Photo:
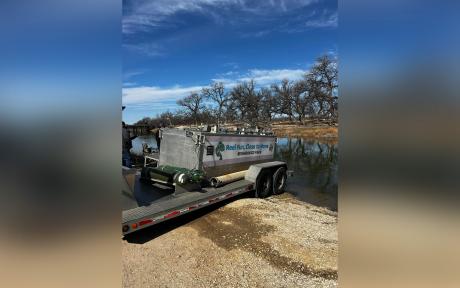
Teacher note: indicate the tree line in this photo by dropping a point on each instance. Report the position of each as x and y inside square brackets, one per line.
[314, 97]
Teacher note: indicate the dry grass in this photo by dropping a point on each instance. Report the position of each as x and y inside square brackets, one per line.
[312, 130]
[324, 133]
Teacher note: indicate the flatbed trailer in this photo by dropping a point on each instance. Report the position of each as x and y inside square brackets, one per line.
[147, 204]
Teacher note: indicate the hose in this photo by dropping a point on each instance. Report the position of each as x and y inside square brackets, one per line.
[228, 178]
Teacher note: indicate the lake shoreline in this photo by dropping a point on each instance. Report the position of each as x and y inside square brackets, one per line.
[322, 133]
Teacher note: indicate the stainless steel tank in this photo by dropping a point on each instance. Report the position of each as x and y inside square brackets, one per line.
[214, 153]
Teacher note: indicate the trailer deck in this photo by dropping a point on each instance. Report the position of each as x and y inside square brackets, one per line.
[155, 203]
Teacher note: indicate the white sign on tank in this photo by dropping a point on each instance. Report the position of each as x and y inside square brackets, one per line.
[224, 150]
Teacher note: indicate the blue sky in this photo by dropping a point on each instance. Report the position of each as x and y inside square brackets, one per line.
[174, 47]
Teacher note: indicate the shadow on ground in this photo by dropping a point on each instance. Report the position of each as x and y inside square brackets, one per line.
[147, 234]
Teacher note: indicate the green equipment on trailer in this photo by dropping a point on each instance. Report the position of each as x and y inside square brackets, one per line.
[167, 174]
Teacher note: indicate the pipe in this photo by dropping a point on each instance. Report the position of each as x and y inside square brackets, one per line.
[227, 178]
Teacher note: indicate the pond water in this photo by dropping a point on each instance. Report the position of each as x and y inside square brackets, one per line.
[138, 141]
[315, 166]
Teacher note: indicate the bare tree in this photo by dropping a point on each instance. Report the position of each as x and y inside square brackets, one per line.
[267, 103]
[166, 118]
[208, 115]
[314, 96]
[283, 94]
[323, 82]
[302, 102]
[217, 94]
[144, 121]
[246, 100]
[193, 104]
[231, 111]
[240, 100]
[253, 101]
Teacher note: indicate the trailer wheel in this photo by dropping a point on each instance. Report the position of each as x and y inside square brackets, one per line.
[279, 180]
[264, 187]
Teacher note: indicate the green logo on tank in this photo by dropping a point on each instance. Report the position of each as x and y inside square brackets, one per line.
[219, 149]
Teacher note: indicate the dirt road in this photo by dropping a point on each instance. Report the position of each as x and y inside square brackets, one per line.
[276, 242]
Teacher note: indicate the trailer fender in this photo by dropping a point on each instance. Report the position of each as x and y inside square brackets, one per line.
[257, 174]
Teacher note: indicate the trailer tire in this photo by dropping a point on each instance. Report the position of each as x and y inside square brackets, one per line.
[264, 187]
[279, 180]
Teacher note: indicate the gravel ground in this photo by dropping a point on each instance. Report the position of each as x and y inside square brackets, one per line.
[276, 242]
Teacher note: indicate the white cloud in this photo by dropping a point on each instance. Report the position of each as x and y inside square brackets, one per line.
[129, 84]
[144, 15]
[265, 77]
[148, 49]
[232, 65]
[147, 14]
[327, 21]
[262, 77]
[129, 74]
[152, 95]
